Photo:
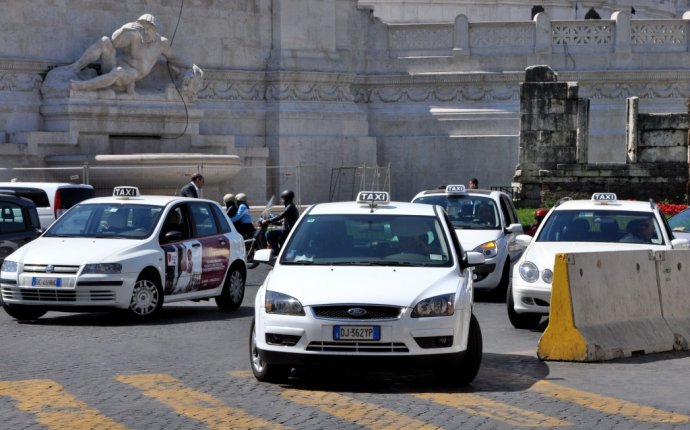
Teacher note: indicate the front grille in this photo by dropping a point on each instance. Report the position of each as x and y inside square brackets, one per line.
[380, 347]
[53, 295]
[41, 268]
[373, 312]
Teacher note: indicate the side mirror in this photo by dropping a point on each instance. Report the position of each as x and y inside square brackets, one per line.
[475, 258]
[264, 256]
[680, 244]
[523, 240]
[515, 228]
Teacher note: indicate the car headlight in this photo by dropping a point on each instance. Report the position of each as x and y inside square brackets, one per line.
[529, 271]
[9, 266]
[103, 268]
[489, 249]
[278, 303]
[547, 276]
[435, 306]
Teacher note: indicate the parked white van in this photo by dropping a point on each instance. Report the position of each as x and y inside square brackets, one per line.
[52, 199]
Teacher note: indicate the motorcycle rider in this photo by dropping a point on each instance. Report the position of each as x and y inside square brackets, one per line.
[230, 202]
[242, 218]
[288, 217]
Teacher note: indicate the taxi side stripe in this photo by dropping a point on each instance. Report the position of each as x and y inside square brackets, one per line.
[194, 404]
[54, 407]
[475, 404]
[350, 409]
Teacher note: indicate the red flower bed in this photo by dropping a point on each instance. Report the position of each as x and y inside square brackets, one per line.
[669, 209]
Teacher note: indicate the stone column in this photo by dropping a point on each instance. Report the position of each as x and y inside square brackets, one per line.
[549, 120]
[632, 134]
[461, 37]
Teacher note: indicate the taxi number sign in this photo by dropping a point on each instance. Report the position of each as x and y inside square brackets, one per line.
[46, 282]
[356, 332]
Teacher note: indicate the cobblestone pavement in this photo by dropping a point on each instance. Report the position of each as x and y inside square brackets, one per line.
[190, 370]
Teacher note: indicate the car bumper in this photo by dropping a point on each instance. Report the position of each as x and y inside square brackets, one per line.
[93, 291]
[405, 341]
[531, 298]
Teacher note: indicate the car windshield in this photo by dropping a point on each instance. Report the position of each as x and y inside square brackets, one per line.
[373, 239]
[467, 212]
[601, 226]
[107, 220]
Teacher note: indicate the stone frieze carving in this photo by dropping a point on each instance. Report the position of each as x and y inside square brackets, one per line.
[439, 37]
[484, 36]
[20, 82]
[223, 90]
[658, 34]
[595, 33]
[469, 93]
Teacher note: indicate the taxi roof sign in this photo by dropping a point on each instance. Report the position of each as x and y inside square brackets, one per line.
[604, 197]
[450, 189]
[125, 192]
[373, 197]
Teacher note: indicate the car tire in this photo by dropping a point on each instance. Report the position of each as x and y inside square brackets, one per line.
[463, 371]
[232, 294]
[262, 370]
[23, 312]
[499, 293]
[521, 321]
[147, 298]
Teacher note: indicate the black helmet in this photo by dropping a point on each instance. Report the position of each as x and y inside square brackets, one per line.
[288, 196]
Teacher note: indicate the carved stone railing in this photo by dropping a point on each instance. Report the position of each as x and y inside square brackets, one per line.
[619, 35]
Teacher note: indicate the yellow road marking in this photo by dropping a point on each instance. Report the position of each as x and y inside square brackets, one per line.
[475, 404]
[194, 404]
[54, 407]
[608, 405]
[347, 408]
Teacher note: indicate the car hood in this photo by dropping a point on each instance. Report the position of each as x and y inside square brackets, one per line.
[470, 239]
[72, 251]
[396, 286]
[543, 253]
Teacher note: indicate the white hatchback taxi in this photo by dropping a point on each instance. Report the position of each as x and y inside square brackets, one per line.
[486, 222]
[128, 252]
[603, 223]
[369, 282]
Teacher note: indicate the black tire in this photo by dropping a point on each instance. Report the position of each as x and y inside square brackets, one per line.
[23, 312]
[462, 372]
[521, 321]
[147, 298]
[233, 290]
[498, 294]
[262, 370]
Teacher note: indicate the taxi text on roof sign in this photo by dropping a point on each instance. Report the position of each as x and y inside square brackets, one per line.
[373, 197]
[125, 192]
[455, 188]
[604, 197]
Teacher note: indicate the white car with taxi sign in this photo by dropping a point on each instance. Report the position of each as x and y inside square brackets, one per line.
[486, 222]
[368, 282]
[602, 223]
[130, 252]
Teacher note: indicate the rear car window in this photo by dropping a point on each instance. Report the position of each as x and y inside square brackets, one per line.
[71, 196]
[36, 195]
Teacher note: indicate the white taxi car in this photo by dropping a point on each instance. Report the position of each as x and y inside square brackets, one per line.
[603, 223]
[127, 252]
[486, 222]
[368, 282]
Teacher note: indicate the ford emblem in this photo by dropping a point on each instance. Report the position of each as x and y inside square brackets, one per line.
[50, 268]
[357, 312]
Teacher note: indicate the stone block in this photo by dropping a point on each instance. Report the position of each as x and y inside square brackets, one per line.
[540, 73]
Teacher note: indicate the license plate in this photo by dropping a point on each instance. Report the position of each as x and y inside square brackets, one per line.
[46, 282]
[356, 332]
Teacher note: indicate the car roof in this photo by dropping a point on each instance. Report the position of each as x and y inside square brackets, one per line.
[42, 185]
[144, 200]
[467, 192]
[618, 205]
[354, 208]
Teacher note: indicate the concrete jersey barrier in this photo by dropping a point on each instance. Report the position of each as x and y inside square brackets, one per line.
[674, 291]
[608, 305]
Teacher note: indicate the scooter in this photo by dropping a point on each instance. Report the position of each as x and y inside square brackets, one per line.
[258, 240]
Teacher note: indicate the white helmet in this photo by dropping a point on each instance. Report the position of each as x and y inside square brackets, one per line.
[229, 199]
[147, 17]
[242, 198]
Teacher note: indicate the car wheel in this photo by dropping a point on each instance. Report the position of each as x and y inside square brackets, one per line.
[499, 293]
[262, 370]
[233, 290]
[147, 298]
[23, 312]
[522, 321]
[462, 372]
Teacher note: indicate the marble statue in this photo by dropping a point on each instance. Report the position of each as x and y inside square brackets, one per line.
[128, 56]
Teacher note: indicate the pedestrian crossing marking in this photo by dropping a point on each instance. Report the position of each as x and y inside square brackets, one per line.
[194, 404]
[350, 409]
[54, 407]
[475, 404]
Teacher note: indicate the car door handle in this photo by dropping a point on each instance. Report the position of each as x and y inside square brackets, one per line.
[196, 245]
